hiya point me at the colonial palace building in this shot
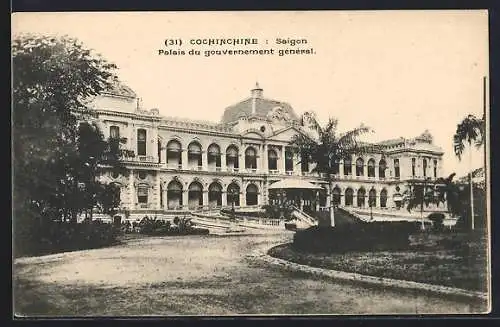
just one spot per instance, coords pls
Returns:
(182, 164)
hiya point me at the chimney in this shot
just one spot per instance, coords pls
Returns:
(256, 94)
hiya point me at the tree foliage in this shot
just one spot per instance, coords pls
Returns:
(471, 130)
(330, 146)
(57, 155)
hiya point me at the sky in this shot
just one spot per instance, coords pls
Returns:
(398, 72)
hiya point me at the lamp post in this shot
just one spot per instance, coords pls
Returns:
(233, 193)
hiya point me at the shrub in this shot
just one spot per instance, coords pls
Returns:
(355, 237)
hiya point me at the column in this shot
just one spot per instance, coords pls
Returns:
(241, 161)
(341, 168)
(264, 166)
(184, 156)
(242, 198)
(204, 160)
(163, 155)
(132, 189)
(185, 198)
(328, 198)
(223, 166)
(165, 200)
(224, 198)
(205, 198)
(281, 161)
(365, 168)
(158, 191)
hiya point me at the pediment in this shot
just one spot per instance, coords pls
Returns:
(253, 133)
(285, 134)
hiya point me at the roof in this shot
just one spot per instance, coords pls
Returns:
(263, 106)
(120, 89)
(293, 184)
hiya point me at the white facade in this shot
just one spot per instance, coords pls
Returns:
(182, 164)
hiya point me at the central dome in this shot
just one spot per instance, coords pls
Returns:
(258, 106)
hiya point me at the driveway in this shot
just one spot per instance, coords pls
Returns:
(196, 275)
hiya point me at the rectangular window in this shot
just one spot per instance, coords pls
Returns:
(141, 142)
(142, 194)
(114, 132)
(413, 162)
(435, 168)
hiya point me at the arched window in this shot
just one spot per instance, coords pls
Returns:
(382, 165)
(252, 195)
(141, 142)
(174, 195)
(194, 154)
(233, 194)
(215, 194)
(383, 198)
(371, 167)
(347, 167)
(232, 157)
(336, 196)
(396, 168)
(372, 198)
(360, 167)
(213, 156)
(361, 197)
(195, 195)
(117, 192)
(174, 153)
(424, 166)
(349, 195)
(272, 159)
(288, 159)
(251, 158)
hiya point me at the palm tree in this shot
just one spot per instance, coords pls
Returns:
(328, 147)
(471, 130)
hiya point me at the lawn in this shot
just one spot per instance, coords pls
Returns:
(454, 260)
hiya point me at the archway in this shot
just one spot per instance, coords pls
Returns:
(174, 157)
(360, 167)
(372, 198)
(252, 195)
(174, 195)
(250, 158)
(213, 157)
(336, 196)
(272, 159)
(349, 195)
(232, 157)
(233, 194)
(194, 155)
(382, 165)
(195, 195)
(215, 194)
(383, 198)
(361, 197)
(371, 167)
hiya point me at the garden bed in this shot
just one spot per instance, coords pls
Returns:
(448, 259)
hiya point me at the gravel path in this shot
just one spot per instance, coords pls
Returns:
(196, 275)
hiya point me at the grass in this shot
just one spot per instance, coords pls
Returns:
(457, 266)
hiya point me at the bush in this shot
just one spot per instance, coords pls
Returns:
(355, 237)
(53, 237)
(157, 227)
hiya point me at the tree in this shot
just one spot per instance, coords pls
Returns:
(471, 130)
(328, 147)
(53, 78)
